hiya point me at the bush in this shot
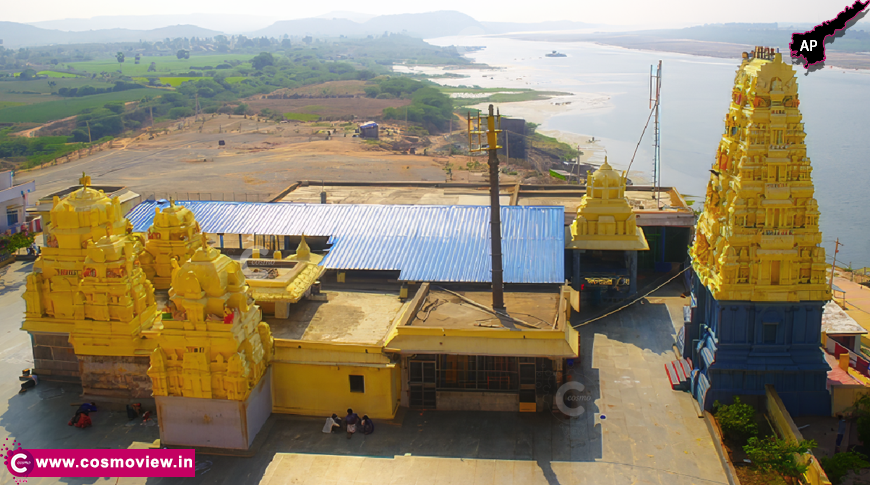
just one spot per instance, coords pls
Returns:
(242, 109)
(772, 454)
(864, 429)
(385, 96)
(839, 465)
(737, 420)
(180, 112)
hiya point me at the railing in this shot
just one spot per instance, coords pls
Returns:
(206, 196)
(860, 364)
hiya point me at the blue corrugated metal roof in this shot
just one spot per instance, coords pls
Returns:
(423, 242)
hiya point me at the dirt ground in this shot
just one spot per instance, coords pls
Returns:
(259, 159)
(360, 108)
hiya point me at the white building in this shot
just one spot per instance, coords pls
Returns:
(13, 202)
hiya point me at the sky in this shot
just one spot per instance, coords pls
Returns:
(664, 13)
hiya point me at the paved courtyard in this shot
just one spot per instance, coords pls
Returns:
(634, 430)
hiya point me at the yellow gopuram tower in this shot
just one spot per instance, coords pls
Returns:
(53, 304)
(215, 344)
(758, 237)
(174, 235)
(759, 272)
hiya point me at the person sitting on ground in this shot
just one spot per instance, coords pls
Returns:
(28, 382)
(84, 421)
(89, 407)
(82, 417)
(133, 410)
(351, 420)
(368, 427)
(331, 424)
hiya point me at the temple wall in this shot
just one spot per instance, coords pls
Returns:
(54, 358)
(215, 423)
(114, 376)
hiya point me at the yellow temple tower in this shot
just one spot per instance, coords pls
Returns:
(174, 235)
(605, 239)
(758, 237)
(604, 218)
(51, 295)
(759, 272)
(215, 344)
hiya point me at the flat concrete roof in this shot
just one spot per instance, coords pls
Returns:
(442, 309)
(471, 195)
(674, 211)
(346, 317)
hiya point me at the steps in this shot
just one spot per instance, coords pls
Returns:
(679, 373)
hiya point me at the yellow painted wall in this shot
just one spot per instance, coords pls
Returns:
(320, 390)
(844, 397)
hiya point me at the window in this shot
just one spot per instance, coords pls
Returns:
(769, 333)
(357, 384)
(12, 217)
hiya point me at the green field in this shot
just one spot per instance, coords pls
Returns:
(234, 79)
(10, 104)
(289, 116)
(163, 64)
(172, 81)
(55, 74)
(62, 108)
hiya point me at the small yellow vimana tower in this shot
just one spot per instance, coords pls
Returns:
(758, 237)
(605, 239)
(115, 301)
(215, 345)
(604, 218)
(174, 235)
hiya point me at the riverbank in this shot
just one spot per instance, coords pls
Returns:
(654, 43)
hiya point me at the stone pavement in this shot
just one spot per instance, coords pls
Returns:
(635, 429)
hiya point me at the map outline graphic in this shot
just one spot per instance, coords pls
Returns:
(821, 32)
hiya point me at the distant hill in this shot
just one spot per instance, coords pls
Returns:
(343, 14)
(431, 24)
(20, 35)
(228, 23)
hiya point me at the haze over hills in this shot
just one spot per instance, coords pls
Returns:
(333, 24)
(19, 35)
(226, 23)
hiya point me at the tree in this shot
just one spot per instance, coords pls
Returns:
(262, 60)
(52, 84)
(27, 75)
(120, 57)
(182, 54)
(12, 243)
(307, 39)
(152, 67)
(839, 465)
(779, 456)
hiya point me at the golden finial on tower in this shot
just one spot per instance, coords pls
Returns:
(85, 181)
(303, 251)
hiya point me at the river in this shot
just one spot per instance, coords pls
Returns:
(696, 93)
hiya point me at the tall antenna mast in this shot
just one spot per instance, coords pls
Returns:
(655, 88)
(483, 137)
